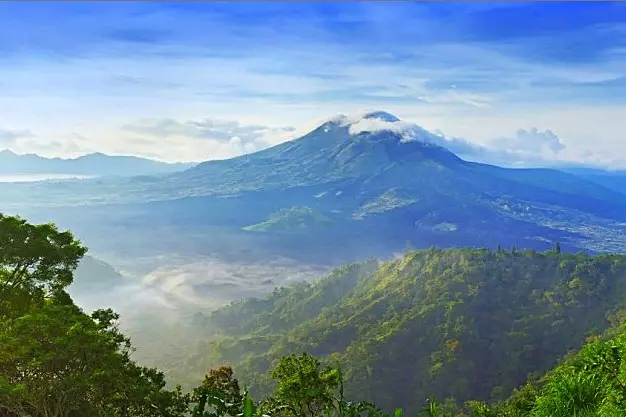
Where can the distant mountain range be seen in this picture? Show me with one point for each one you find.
(615, 180)
(94, 164)
(356, 186)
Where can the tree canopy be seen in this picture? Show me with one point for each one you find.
(55, 360)
(36, 255)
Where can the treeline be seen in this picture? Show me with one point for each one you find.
(55, 360)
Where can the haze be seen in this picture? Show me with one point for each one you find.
(211, 152)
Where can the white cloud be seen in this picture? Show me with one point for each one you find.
(161, 139)
(70, 145)
(202, 139)
(9, 137)
(380, 121)
(211, 129)
(527, 145)
(532, 141)
(529, 148)
(25, 141)
(205, 138)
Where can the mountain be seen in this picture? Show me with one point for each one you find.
(95, 164)
(339, 150)
(93, 276)
(292, 220)
(612, 179)
(381, 182)
(96, 284)
(465, 323)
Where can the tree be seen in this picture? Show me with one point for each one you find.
(36, 256)
(63, 362)
(222, 380)
(304, 386)
(55, 360)
(219, 391)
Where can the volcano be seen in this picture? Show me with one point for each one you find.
(363, 181)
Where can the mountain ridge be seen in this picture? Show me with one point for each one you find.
(383, 183)
(96, 163)
(456, 321)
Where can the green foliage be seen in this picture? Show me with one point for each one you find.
(303, 385)
(36, 256)
(454, 323)
(589, 383)
(54, 359)
(464, 324)
(391, 199)
(220, 393)
(291, 220)
(289, 306)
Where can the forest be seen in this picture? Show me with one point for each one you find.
(459, 332)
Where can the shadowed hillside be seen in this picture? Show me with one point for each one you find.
(458, 323)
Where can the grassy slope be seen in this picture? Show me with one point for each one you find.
(291, 220)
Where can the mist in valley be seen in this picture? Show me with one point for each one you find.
(164, 299)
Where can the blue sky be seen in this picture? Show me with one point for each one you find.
(179, 81)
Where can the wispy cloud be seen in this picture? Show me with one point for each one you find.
(25, 141)
(473, 70)
(212, 129)
(240, 138)
(8, 137)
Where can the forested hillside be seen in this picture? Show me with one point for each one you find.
(462, 324)
(452, 325)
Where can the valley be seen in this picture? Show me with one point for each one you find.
(190, 226)
(338, 194)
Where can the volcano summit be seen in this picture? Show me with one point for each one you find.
(368, 181)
